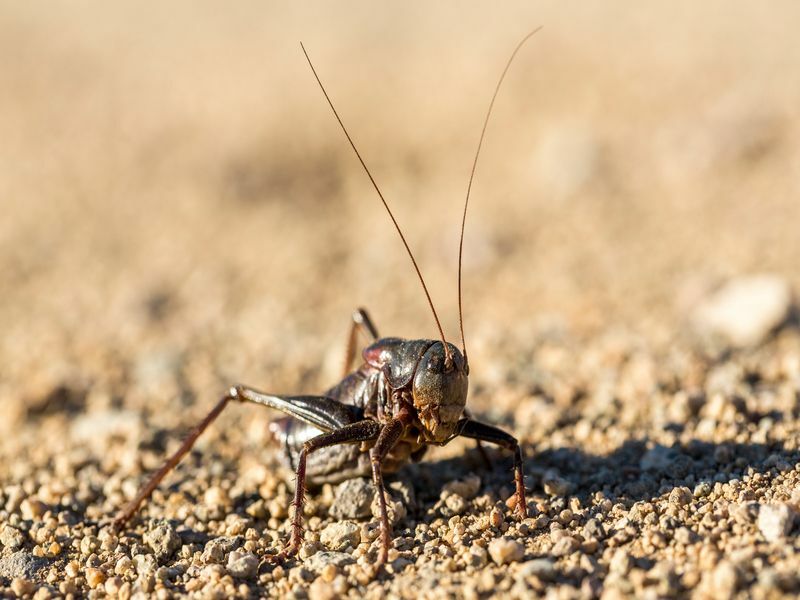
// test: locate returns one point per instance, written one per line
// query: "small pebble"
(504, 550)
(467, 488)
(242, 565)
(775, 521)
(12, 538)
(162, 540)
(543, 568)
(94, 577)
(32, 509)
(353, 498)
(339, 536)
(21, 587)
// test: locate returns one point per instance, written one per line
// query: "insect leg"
(360, 320)
(389, 436)
(487, 433)
(325, 413)
(481, 450)
(130, 509)
(360, 431)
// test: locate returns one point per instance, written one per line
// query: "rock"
(680, 496)
(745, 310)
(321, 560)
(242, 565)
(216, 496)
(724, 580)
(321, 590)
(455, 504)
(621, 562)
(216, 549)
(478, 556)
(658, 458)
(543, 568)
(89, 544)
(12, 538)
(566, 546)
(21, 565)
(145, 564)
(504, 550)
(395, 509)
(467, 488)
(403, 489)
(339, 536)
(554, 485)
(352, 499)
(162, 540)
(32, 509)
(96, 427)
(775, 521)
(22, 587)
(594, 529)
(95, 577)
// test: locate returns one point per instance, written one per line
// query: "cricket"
(407, 395)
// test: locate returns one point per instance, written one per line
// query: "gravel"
(630, 275)
(353, 499)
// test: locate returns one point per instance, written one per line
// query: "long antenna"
(448, 357)
(472, 176)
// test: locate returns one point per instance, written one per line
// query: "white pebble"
(504, 550)
(745, 309)
(775, 521)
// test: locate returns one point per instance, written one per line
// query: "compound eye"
(433, 364)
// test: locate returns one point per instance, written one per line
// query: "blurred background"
(176, 196)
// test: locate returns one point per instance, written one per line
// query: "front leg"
(487, 433)
(389, 436)
(361, 431)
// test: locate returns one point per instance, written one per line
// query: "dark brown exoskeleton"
(407, 395)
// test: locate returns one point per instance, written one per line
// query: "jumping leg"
(360, 321)
(320, 411)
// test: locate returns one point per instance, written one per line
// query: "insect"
(406, 396)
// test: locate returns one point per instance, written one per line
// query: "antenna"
(472, 176)
(448, 357)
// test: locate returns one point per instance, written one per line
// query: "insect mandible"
(407, 395)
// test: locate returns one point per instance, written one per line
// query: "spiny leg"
(360, 321)
(360, 431)
(487, 433)
(388, 438)
(144, 493)
(320, 411)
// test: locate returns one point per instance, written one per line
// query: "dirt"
(181, 213)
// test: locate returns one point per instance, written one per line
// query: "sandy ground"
(180, 213)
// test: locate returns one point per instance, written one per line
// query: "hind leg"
(360, 321)
(322, 412)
